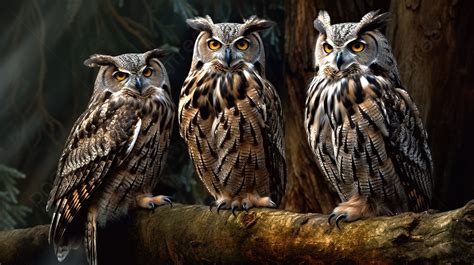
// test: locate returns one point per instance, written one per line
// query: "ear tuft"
(372, 21)
(97, 60)
(253, 24)
(155, 53)
(323, 22)
(201, 23)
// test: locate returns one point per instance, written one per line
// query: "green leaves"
(11, 213)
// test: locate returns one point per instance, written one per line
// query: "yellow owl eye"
(120, 76)
(357, 46)
(242, 45)
(214, 45)
(327, 48)
(147, 72)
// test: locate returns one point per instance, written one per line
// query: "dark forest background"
(44, 86)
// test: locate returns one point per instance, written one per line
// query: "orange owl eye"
(327, 48)
(214, 45)
(242, 45)
(147, 72)
(120, 76)
(357, 46)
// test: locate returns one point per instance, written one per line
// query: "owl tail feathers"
(63, 240)
(90, 237)
(61, 249)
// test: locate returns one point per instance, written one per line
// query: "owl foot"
(355, 208)
(149, 202)
(245, 204)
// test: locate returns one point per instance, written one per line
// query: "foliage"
(11, 213)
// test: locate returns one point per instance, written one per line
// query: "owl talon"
(151, 203)
(272, 204)
(168, 200)
(220, 205)
(245, 207)
(342, 217)
(212, 204)
(331, 216)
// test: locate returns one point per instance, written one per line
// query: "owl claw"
(272, 204)
(168, 200)
(245, 207)
(213, 203)
(149, 202)
(220, 205)
(342, 217)
(233, 210)
(234, 207)
(331, 216)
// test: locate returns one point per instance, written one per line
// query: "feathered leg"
(90, 238)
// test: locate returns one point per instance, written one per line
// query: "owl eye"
(147, 72)
(214, 45)
(242, 45)
(357, 46)
(120, 76)
(327, 48)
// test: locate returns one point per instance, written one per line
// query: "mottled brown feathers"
(232, 123)
(115, 151)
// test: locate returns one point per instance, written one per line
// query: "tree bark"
(307, 191)
(433, 47)
(194, 235)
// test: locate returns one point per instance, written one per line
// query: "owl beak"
(228, 56)
(342, 61)
(138, 84)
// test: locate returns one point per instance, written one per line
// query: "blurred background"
(44, 85)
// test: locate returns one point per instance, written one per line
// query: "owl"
(363, 127)
(115, 151)
(231, 117)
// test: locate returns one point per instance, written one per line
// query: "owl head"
(227, 44)
(135, 73)
(353, 48)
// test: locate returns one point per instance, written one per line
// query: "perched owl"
(231, 118)
(115, 151)
(362, 125)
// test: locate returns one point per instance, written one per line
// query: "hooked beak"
(228, 56)
(342, 61)
(138, 84)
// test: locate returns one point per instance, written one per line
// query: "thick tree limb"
(194, 235)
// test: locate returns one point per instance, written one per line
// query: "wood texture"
(191, 234)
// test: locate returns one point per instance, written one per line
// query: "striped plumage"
(114, 153)
(231, 119)
(363, 127)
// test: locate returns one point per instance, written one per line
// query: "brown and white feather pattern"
(232, 123)
(369, 140)
(114, 152)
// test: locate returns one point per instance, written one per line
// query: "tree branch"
(194, 235)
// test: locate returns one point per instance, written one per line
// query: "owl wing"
(100, 140)
(409, 151)
(274, 142)
(381, 144)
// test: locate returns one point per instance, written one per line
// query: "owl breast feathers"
(231, 118)
(363, 127)
(115, 150)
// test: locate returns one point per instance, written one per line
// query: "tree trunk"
(307, 190)
(194, 235)
(433, 47)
